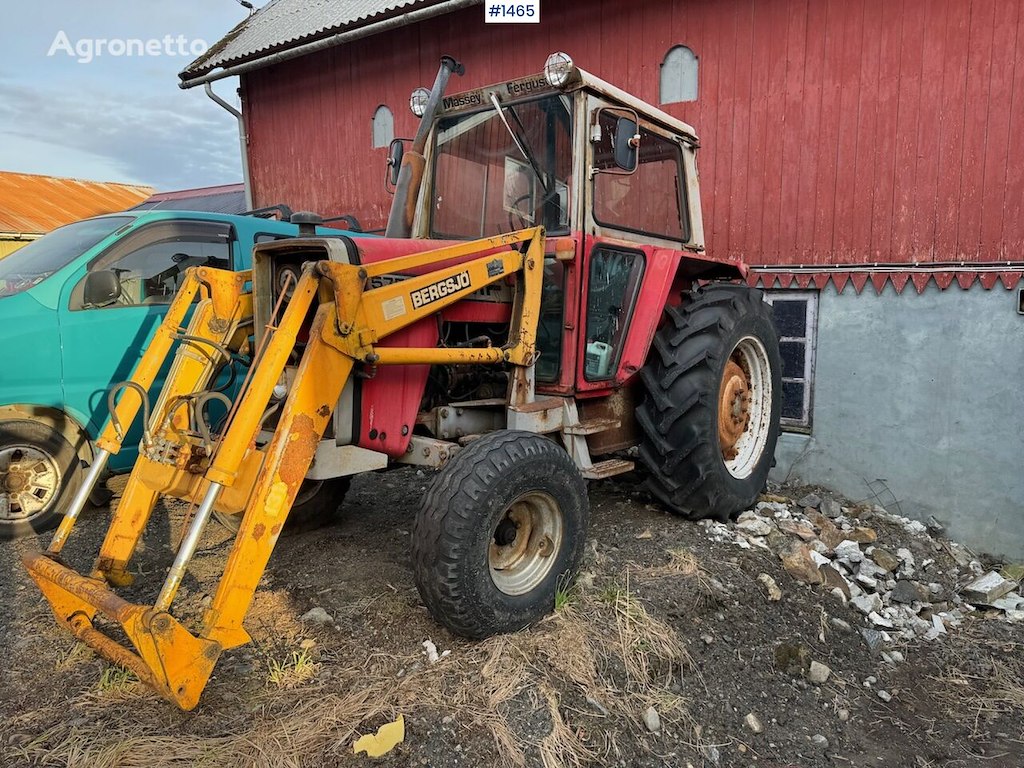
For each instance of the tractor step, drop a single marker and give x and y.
(608, 468)
(591, 427)
(547, 404)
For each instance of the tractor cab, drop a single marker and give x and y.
(612, 179)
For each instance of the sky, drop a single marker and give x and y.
(115, 117)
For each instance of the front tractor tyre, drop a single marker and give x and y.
(500, 531)
(316, 505)
(709, 420)
(39, 475)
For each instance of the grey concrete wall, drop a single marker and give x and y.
(919, 400)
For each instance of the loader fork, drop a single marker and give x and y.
(234, 476)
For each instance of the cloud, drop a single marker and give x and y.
(169, 143)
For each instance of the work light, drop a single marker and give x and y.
(559, 69)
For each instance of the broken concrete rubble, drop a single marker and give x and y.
(885, 559)
(888, 570)
(811, 500)
(984, 590)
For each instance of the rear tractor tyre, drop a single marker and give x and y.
(315, 506)
(40, 473)
(500, 531)
(710, 418)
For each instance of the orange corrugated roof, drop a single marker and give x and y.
(37, 204)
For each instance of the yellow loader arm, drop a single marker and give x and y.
(231, 474)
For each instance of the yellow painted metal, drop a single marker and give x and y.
(167, 657)
(262, 483)
(246, 422)
(149, 366)
(191, 371)
(320, 378)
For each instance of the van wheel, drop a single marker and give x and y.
(315, 505)
(710, 418)
(500, 531)
(39, 475)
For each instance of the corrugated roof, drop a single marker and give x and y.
(283, 24)
(37, 204)
(227, 198)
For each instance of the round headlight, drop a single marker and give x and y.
(558, 69)
(418, 101)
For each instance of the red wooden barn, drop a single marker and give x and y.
(843, 142)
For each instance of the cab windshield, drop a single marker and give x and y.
(495, 175)
(39, 259)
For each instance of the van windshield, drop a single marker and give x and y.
(39, 259)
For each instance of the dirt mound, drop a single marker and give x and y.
(743, 644)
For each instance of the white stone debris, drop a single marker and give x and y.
(753, 723)
(903, 596)
(984, 590)
(317, 616)
(431, 651)
(818, 672)
(652, 720)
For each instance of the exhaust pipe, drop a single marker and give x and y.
(410, 177)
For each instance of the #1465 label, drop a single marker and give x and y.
(525, 12)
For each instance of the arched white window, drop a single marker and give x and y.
(383, 127)
(679, 75)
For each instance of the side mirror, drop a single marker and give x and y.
(396, 151)
(102, 288)
(627, 141)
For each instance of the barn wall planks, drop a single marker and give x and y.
(833, 131)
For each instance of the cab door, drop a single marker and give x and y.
(100, 346)
(637, 224)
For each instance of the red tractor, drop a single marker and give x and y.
(540, 312)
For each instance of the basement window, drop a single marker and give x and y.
(796, 319)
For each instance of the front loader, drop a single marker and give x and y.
(541, 312)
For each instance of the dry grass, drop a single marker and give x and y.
(986, 685)
(532, 692)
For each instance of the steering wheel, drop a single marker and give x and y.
(515, 210)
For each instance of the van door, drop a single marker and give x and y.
(100, 346)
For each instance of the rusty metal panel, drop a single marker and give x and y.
(36, 204)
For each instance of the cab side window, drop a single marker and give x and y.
(649, 200)
(150, 264)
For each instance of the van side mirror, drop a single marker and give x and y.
(102, 288)
(396, 151)
(627, 141)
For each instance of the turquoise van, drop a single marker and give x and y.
(61, 348)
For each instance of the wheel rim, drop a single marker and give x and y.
(745, 407)
(524, 543)
(29, 481)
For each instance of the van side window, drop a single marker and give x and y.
(150, 264)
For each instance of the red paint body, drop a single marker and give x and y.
(390, 400)
(832, 131)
